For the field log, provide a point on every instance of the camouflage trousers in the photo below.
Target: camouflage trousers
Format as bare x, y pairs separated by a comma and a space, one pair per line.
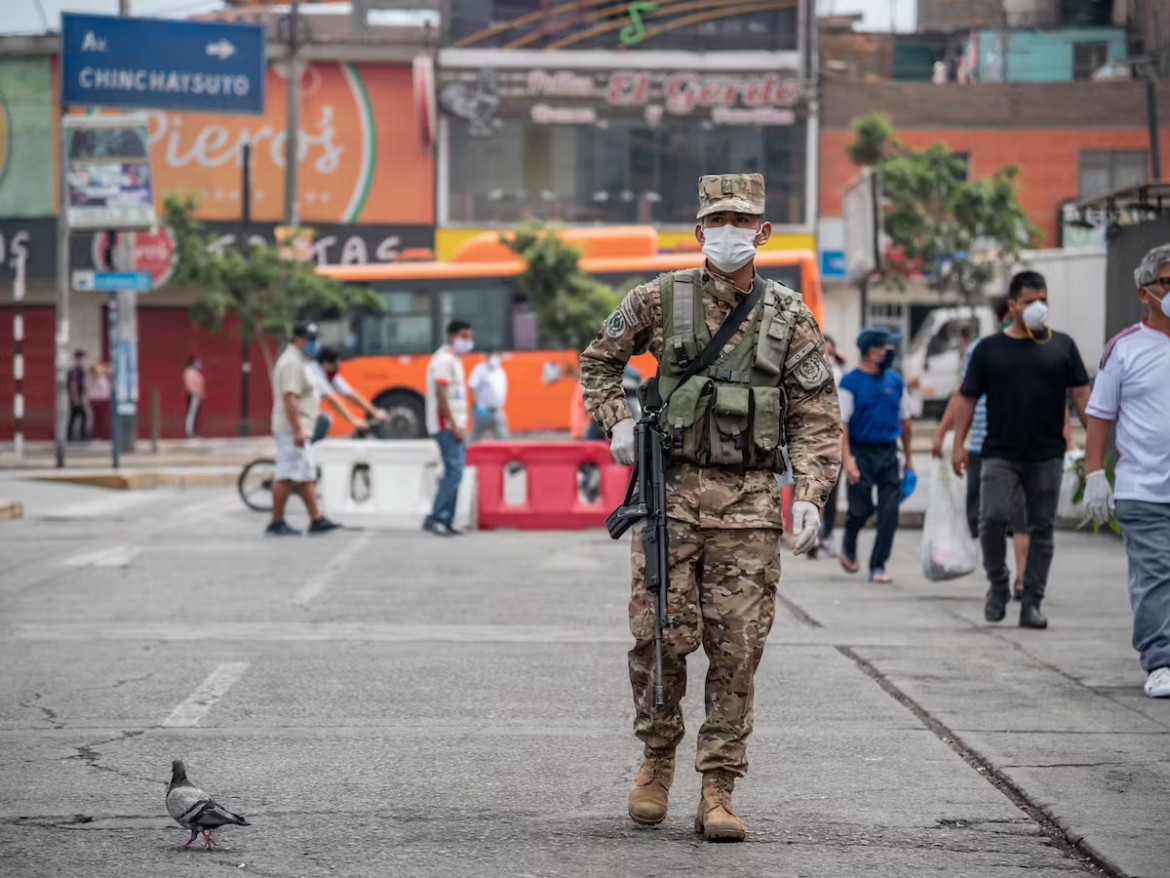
723, 594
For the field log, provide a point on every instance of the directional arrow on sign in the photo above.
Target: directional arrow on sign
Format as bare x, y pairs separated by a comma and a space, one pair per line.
221, 49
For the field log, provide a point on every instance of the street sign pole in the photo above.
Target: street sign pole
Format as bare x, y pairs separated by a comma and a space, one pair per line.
115, 369
62, 297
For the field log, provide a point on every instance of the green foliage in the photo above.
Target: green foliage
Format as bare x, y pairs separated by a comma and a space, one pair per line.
570, 306
1078, 469
875, 138
936, 217
268, 292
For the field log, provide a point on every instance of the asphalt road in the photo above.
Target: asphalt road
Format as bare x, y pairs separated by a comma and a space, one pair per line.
391, 704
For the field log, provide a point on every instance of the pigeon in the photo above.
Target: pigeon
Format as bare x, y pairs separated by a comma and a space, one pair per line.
195, 810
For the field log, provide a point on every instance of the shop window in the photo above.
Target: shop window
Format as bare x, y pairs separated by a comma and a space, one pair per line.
616, 171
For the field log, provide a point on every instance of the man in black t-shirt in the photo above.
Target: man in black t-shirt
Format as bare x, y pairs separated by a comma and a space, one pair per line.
1026, 373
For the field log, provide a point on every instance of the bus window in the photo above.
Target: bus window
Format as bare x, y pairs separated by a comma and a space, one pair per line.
487, 309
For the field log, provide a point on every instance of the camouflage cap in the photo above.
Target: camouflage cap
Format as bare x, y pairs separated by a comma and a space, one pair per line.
740, 193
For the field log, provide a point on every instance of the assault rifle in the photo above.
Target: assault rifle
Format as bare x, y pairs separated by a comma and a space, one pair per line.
646, 499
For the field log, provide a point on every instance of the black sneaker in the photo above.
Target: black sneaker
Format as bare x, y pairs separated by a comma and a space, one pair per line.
436, 528
282, 529
323, 525
452, 531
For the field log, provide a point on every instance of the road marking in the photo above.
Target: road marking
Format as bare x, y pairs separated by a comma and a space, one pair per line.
115, 556
199, 703
571, 562
319, 581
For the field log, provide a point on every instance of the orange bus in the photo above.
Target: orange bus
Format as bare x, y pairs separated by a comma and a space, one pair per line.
386, 353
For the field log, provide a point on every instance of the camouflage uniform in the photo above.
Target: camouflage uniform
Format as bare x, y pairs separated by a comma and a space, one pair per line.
724, 524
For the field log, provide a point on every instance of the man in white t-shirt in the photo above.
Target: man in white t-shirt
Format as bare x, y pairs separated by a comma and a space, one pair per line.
1133, 389
447, 422
489, 383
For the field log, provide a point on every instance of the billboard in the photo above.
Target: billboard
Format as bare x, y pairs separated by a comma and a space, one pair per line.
108, 172
362, 158
26, 138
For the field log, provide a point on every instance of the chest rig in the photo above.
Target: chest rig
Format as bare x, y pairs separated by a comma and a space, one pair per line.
732, 413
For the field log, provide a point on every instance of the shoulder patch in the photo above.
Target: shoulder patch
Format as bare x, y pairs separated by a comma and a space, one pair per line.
1113, 342
615, 326
812, 372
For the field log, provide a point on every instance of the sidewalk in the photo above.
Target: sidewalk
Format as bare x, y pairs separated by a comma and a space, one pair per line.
1057, 717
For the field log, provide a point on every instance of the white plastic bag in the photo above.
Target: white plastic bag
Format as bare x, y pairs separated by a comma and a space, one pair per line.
948, 551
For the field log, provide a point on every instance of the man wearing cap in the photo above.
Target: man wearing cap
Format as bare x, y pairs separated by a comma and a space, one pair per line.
295, 406
769, 385
876, 411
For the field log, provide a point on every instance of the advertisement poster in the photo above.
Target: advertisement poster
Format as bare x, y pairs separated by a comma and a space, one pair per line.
26, 138
362, 158
108, 174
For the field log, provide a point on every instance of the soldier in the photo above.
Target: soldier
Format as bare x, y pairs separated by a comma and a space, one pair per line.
770, 386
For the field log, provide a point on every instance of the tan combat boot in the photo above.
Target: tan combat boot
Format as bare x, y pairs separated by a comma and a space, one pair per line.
716, 820
647, 804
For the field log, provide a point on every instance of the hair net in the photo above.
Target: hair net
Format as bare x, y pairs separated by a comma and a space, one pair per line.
1155, 259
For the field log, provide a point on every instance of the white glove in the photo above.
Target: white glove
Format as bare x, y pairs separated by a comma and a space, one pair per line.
621, 443
1071, 457
806, 526
1098, 496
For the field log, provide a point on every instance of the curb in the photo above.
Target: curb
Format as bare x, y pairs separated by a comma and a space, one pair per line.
913, 519
10, 510
145, 479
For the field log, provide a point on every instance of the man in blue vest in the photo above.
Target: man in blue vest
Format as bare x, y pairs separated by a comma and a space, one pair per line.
876, 411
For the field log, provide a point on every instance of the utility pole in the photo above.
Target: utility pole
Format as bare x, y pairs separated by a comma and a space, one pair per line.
292, 123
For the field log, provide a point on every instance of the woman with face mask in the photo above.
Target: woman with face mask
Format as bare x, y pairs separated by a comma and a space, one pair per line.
1133, 389
876, 411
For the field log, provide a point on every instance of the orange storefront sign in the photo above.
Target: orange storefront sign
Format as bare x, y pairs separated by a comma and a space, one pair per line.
362, 157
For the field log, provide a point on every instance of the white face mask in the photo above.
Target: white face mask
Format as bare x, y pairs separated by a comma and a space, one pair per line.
462, 345
1164, 301
1036, 316
729, 248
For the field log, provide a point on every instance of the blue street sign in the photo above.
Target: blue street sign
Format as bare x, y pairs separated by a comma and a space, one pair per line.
833, 263
111, 281
164, 64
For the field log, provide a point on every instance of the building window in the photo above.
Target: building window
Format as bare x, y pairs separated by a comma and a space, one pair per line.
617, 170
1104, 172
1089, 58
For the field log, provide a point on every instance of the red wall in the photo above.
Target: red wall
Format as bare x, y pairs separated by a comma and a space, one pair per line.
1047, 159
39, 382
166, 339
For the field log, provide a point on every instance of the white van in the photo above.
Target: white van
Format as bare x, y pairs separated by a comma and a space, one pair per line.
932, 363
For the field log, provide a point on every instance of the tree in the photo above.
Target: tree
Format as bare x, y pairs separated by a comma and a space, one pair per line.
570, 306
266, 291
940, 222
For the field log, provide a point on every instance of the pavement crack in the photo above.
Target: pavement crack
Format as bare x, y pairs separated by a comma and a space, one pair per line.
798, 612
996, 777
89, 754
50, 715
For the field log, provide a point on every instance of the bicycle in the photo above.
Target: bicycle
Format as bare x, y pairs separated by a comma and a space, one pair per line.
258, 476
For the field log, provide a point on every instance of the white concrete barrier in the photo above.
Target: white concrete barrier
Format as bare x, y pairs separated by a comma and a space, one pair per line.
401, 476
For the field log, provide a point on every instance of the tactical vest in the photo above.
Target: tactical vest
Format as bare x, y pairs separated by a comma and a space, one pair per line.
732, 413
